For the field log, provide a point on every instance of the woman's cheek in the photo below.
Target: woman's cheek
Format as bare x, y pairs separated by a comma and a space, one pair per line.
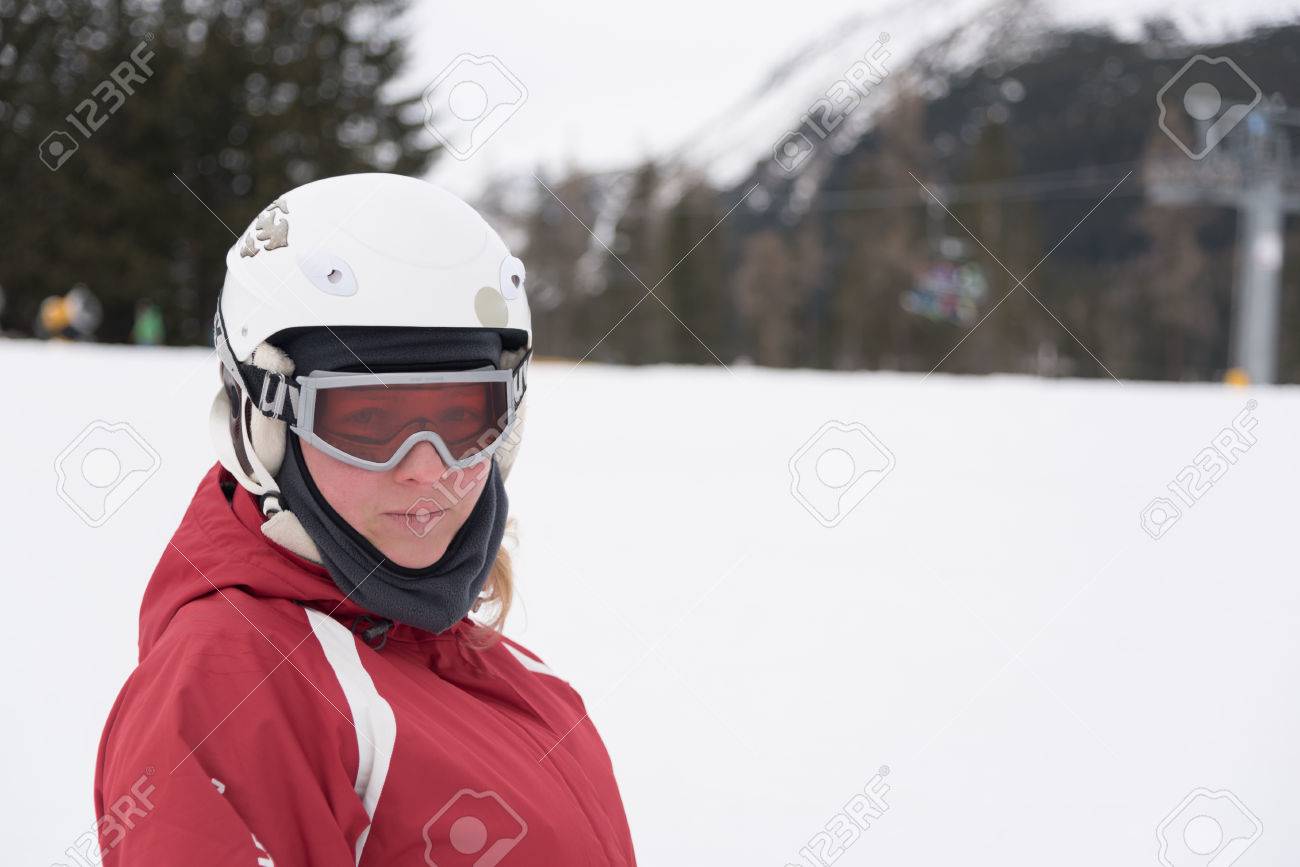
476, 489
359, 493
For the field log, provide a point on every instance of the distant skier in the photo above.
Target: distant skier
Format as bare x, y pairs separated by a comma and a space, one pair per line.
148, 329
73, 316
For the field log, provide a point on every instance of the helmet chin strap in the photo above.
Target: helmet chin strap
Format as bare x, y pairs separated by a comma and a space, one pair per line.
284, 529
234, 448
238, 454
270, 492
250, 444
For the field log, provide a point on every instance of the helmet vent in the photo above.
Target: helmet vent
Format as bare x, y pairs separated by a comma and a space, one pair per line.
329, 273
512, 278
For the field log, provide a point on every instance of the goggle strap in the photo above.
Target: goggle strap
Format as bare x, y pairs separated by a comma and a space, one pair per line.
520, 373
275, 396
270, 391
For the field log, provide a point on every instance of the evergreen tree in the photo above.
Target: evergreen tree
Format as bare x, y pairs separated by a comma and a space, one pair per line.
239, 101
696, 288
642, 328
559, 253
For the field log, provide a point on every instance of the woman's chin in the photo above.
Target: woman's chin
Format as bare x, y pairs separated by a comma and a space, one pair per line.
408, 543
413, 555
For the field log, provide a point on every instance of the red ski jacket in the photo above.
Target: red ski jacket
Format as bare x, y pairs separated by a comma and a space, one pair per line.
258, 729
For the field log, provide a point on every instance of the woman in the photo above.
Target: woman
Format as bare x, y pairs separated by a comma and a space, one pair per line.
310, 688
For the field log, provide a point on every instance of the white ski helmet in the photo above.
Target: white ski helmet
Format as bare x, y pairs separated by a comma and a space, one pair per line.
355, 250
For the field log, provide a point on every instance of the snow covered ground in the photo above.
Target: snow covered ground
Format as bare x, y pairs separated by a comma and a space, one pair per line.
1045, 681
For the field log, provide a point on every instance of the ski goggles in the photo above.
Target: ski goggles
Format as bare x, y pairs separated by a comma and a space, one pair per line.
373, 420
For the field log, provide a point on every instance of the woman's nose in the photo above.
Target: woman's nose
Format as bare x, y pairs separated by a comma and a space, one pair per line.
422, 465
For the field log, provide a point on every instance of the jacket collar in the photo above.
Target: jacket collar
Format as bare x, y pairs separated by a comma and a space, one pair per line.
219, 545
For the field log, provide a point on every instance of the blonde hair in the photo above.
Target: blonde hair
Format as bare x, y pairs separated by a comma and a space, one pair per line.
494, 600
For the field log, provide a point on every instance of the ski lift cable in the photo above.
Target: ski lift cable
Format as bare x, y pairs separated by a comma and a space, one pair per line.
1020, 187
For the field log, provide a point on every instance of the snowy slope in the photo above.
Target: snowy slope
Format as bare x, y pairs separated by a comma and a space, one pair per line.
1044, 681
951, 33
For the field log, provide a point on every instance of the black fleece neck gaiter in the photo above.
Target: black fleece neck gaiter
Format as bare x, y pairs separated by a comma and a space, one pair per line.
436, 597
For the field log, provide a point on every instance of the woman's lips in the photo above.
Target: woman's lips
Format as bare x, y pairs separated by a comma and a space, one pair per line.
418, 516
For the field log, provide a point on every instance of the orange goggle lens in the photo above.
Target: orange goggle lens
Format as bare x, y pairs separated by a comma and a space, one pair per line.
371, 422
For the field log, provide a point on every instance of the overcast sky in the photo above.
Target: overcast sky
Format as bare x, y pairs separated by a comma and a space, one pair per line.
607, 83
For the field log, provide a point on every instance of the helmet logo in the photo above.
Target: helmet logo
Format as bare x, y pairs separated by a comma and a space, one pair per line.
267, 230
490, 308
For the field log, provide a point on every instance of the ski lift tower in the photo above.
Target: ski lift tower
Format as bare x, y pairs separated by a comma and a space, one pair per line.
1251, 170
